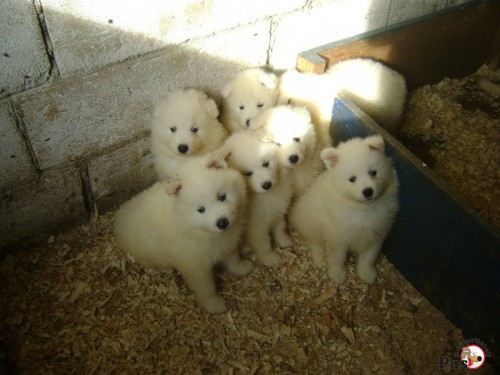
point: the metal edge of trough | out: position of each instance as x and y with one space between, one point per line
438 242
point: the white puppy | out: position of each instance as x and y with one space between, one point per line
184 124
314 92
189 223
377 89
249 93
269 193
374 87
350 206
291 128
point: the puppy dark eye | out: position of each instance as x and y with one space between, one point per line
352 179
260 105
242 107
372 173
222 197
194 130
201 209
296 139
173 129
265 164
248 174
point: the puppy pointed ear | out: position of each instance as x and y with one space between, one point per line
226 90
375 142
172 186
158 107
264 135
211 108
304 113
330 157
269 80
260 120
215 160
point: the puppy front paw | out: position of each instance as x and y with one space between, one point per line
337 274
284 240
241 268
368 274
318 259
270 258
214 304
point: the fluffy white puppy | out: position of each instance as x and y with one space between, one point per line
184 124
374 87
189 223
350 206
314 92
269 193
249 93
291 128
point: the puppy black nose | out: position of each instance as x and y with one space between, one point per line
294 159
247 123
267 185
368 192
222 223
183 148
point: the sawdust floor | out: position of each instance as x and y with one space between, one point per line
77 305
454 127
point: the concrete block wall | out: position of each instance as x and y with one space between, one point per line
78 79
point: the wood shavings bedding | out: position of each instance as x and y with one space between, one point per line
77 305
454 127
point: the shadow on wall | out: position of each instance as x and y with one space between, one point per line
87 135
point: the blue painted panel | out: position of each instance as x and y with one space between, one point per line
438 241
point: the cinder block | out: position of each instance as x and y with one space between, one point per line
47 206
15 162
23 58
89 34
324 23
117 176
402 10
78 118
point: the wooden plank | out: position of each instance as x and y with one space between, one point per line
452 43
438 242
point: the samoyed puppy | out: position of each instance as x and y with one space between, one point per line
184 124
374 87
269 193
189 223
291 128
352 206
249 93
316 93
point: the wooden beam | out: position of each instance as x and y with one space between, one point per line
453 43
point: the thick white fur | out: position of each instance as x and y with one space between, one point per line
316 93
259 162
377 89
162 228
193 116
337 213
249 93
374 87
291 128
